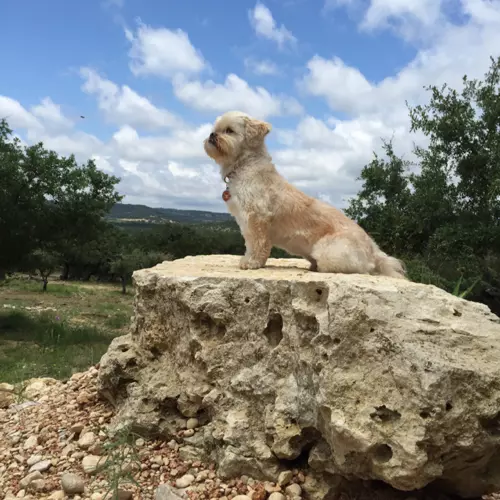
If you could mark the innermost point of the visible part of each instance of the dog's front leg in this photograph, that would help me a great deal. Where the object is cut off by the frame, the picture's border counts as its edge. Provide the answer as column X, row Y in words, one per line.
column 257, row 242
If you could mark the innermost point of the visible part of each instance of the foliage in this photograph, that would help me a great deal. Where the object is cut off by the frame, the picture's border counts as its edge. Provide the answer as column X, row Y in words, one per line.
column 47, row 201
column 445, row 212
column 130, row 261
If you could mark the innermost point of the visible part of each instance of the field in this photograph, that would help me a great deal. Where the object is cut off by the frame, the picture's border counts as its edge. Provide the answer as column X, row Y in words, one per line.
column 59, row 332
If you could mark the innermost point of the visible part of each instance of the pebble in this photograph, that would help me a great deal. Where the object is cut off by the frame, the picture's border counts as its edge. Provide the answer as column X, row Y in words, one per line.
column 192, row 423
column 31, row 442
column 57, row 495
column 184, row 481
column 72, row 483
column 293, row 490
column 41, row 466
column 285, row 477
column 91, row 463
column 87, row 440
column 241, row 497
column 26, row 481
column 33, row 460
column 276, row 496
column 77, row 428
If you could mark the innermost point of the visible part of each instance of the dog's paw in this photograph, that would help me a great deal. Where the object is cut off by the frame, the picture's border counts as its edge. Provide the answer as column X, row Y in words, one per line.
column 249, row 263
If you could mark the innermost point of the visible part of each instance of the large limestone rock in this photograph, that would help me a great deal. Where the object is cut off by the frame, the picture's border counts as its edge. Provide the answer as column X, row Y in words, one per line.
column 354, row 376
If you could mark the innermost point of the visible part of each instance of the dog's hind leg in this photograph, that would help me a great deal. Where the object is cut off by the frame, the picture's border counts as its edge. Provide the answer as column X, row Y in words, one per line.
column 342, row 254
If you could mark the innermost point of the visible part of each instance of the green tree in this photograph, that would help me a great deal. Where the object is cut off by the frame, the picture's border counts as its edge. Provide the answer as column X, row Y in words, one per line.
column 45, row 263
column 132, row 260
column 47, row 202
column 444, row 217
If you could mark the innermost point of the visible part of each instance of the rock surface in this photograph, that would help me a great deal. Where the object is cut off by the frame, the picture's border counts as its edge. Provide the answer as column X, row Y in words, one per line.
column 363, row 377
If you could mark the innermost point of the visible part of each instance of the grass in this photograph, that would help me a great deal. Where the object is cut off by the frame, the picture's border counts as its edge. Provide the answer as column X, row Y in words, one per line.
column 60, row 332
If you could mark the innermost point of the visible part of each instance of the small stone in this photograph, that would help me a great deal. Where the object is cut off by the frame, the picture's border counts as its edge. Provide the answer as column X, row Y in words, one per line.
column 87, row 440
column 285, row 477
column 277, row 496
column 157, row 460
column 184, row 481
column 241, row 497
column 33, row 460
column 31, row 442
column 192, row 423
column 92, row 463
column 293, row 490
column 37, row 485
column 96, row 496
column 41, row 466
column 72, row 483
column 167, row 492
column 57, row 495
column 77, row 428
column 26, row 481
column 5, row 387
column 124, row 495
column 83, row 398
column 140, row 443
column 188, row 433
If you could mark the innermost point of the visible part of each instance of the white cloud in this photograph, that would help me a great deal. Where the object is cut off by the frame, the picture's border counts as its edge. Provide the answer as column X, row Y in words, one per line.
column 261, row 67
column 321, row 156
column 234, row 94
column 163, row 52
column 265, row 26
column 121, row 105
column 50, row 114
column 16, row 115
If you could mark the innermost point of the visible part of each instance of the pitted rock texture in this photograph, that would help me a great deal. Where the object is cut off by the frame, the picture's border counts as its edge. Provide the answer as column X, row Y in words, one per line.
column 355, row 376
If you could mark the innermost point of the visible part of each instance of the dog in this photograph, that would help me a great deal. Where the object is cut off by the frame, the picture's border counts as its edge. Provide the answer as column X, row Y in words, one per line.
column 272, row 212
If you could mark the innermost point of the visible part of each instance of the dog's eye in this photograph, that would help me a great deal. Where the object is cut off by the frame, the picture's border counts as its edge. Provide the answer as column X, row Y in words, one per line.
column 229, row 131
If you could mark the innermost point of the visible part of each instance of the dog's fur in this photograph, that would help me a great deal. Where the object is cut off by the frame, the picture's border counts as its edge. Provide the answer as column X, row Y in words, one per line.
column 272, row 212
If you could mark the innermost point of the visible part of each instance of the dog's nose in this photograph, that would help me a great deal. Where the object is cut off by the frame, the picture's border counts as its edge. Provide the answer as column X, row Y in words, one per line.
column 212, row 137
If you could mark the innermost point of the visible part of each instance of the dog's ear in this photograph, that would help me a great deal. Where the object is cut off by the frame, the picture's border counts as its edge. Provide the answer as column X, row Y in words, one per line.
column 256, row 130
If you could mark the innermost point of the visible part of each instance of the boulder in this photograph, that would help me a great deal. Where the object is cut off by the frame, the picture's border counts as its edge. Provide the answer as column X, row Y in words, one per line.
column 356, row 377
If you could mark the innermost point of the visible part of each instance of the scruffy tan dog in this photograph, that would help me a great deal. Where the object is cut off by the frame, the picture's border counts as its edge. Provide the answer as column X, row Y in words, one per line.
column 272, row 212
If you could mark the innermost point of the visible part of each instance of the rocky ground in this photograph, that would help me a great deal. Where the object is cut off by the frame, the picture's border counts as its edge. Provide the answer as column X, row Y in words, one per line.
column 54, row 444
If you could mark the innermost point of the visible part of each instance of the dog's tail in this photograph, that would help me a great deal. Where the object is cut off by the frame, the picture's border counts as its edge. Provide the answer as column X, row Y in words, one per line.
column 388, row 266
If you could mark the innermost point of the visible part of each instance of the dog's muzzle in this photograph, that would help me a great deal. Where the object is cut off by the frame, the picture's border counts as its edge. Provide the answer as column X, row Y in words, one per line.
column 212, row 139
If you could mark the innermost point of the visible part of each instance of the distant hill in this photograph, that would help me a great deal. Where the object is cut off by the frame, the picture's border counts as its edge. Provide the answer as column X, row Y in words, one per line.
column 124, row 213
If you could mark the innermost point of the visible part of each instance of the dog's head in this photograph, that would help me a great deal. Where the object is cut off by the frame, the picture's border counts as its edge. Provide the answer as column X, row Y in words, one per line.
column 233, row 133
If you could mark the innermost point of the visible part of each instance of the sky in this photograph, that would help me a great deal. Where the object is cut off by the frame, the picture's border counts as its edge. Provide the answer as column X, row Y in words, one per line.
column 136, row 84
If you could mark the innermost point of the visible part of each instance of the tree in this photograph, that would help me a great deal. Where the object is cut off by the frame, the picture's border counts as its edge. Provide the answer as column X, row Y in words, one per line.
column 45, row 263
column 47, row 201
column 130, row 261
column 447, row 212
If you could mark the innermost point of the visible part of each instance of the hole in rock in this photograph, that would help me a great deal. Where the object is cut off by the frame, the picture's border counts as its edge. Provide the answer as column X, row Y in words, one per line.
column 384, row 414
column 372, row 329
column 448, row 406
column 209, row 326
column 274, row 329
column 491, row 425
column 155, row 352
column 336, row 341
column 131, row 363
column 247, row 300
column 425, row 414
column 382, row 453
column 124, row 348
column 309, row 436
column 319, row 291
column 456, row 313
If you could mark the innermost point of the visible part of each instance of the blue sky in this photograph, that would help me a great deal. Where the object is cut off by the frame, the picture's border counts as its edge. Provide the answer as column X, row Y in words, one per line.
column 331, row 76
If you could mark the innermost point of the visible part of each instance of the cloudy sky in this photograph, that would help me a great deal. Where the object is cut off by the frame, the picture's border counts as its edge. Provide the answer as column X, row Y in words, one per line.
column 150, row 76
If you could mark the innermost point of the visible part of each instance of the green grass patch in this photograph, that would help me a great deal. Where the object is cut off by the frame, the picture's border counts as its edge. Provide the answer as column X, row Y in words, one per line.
column 43, row 345
column 34, row 286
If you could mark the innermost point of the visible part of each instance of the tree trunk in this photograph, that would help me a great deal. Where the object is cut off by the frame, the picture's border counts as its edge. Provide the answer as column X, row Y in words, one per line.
column 65, row 271
column 45, row 282
column 124, row 285
column 3, row 274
